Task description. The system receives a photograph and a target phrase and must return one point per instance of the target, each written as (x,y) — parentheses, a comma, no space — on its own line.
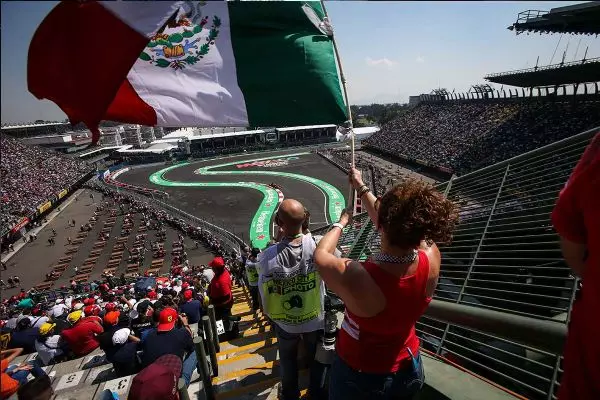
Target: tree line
(376,114)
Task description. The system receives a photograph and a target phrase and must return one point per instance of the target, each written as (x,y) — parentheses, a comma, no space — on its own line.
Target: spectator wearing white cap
(119,345)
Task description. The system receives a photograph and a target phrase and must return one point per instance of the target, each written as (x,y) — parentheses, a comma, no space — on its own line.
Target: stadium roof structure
(25,126)
(578,19)
(550,75)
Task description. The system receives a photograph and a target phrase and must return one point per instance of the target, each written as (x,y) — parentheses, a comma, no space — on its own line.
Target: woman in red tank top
(377,348)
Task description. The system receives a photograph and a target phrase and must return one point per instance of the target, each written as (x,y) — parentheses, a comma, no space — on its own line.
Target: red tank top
(379,344)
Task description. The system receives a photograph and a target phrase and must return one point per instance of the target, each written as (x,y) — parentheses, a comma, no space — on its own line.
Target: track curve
(259,232)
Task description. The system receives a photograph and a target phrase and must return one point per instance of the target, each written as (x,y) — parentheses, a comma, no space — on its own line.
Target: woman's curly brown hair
(414,211)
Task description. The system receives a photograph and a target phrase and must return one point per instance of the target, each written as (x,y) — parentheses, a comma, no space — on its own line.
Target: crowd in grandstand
(382,178)
(464,136)
(30,176)
(120,315)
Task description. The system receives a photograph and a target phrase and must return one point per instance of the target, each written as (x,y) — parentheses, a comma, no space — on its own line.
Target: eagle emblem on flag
(184,41)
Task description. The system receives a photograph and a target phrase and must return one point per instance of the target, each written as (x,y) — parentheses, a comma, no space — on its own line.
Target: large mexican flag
(188,63)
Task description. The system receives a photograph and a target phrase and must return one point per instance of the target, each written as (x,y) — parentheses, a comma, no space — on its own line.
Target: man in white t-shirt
(48,345)
(177,286)
(59,309)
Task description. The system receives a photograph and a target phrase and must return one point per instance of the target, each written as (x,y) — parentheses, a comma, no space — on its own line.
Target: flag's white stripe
(350,330)
(202,94)
(146,17)
(354,324)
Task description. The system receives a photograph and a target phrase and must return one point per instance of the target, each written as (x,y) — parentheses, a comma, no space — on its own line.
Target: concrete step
(251,347)
(248,360)
(247,337)
(256,384)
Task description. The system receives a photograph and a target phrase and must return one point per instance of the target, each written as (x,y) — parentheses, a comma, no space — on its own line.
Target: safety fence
(505,258)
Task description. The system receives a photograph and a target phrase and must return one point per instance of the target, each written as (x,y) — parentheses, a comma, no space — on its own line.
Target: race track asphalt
(232,207)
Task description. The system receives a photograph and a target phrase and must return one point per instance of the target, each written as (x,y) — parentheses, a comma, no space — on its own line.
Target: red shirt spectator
(576,218)
(390,330)
(219,289)
(82,337)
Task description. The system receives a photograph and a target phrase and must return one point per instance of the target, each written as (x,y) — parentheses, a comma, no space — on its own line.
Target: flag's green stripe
(285,66)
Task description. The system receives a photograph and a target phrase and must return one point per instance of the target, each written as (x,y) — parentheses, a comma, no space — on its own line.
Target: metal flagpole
(351,191)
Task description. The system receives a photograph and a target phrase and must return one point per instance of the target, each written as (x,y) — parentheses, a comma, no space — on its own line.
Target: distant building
(132,135)
(148,135)
(413,100)
(20,131)
(111,136)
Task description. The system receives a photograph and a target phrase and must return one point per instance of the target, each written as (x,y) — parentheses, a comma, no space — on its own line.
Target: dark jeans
(189,364)
(21,376)
(254,296)
(288,360)
(346,383)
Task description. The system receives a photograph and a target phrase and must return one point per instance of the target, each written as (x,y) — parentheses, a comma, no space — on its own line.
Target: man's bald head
(291,215)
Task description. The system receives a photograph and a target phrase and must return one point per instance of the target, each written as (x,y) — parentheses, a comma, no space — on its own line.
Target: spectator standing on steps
(377,348)
(219,289)
(282,269)
(252,277)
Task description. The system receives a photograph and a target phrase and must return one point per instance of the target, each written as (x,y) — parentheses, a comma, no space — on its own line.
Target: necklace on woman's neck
(292,237)
(405,259)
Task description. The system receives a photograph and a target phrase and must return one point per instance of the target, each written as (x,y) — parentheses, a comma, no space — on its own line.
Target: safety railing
(504,294)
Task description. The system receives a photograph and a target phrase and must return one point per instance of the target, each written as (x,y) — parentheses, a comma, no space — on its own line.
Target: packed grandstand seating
(31,175)
(464,136)
(382,178)
(55,322)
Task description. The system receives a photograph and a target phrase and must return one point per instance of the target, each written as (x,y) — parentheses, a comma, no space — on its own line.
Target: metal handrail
(542,334)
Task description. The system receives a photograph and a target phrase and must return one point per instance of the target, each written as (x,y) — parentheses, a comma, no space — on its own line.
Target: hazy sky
(389,50)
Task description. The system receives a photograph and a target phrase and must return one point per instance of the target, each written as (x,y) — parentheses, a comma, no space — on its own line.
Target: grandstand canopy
(578,19)
(550,75)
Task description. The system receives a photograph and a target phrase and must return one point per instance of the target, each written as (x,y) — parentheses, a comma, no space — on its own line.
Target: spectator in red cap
(219,289)
(192,308)
(158,381)
(167,339)
(92,313)
(89,301)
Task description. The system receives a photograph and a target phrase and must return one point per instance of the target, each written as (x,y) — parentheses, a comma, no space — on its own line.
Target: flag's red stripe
(127,106)
(79,57)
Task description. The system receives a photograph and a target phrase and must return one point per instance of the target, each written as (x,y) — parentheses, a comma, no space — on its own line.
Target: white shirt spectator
(48,349)
(58,310)
(39,321)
